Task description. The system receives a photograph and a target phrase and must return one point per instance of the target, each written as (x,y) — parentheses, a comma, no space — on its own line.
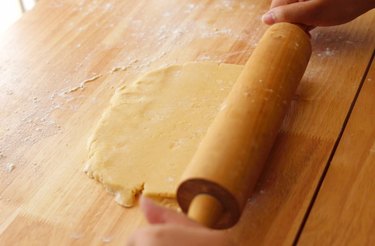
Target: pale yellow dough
(150,131)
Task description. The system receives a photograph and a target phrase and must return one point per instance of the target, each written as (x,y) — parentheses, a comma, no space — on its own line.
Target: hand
(316,12)
(172,228)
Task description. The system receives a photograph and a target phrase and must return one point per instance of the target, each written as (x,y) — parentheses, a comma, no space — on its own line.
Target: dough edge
(120,193)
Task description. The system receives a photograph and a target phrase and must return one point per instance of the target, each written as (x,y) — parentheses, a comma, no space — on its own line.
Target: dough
(149,133)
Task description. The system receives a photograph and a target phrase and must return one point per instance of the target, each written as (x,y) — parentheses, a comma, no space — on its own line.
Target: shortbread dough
(149,133)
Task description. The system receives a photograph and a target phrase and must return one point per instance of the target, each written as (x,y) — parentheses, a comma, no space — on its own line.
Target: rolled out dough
(149,133)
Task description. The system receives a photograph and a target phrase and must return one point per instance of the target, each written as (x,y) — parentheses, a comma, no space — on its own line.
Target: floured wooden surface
(148,135)
(343,212)
(50,105)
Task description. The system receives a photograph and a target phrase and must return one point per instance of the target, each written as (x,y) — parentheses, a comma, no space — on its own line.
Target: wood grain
(275,211)
(50,103)
(344,211)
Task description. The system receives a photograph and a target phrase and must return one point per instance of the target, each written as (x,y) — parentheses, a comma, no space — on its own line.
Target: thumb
(299,13)
(159,215)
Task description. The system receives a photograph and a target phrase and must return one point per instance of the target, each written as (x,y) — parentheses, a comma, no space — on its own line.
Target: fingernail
(269,18)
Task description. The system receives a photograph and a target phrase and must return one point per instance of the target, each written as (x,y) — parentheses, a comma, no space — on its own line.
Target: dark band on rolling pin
(192,187)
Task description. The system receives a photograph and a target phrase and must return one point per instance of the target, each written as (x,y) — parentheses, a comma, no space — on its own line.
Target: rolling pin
(229,159)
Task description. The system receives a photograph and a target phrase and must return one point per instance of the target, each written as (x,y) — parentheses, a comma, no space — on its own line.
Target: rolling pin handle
(205,209)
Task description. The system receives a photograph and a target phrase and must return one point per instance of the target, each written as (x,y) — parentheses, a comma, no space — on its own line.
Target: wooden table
(60,64)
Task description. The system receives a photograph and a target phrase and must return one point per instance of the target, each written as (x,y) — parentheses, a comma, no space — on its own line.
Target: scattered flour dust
(40,119)
(76,236)
(107,239)
(38,122)
(9,167)
(326,53)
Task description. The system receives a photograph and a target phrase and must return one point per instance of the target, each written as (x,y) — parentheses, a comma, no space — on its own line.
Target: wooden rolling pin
(224,170)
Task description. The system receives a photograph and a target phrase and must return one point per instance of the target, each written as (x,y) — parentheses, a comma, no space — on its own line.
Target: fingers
(171,235)
(159,215)
(277,3)
(150,236)
(171,228)
(299,13)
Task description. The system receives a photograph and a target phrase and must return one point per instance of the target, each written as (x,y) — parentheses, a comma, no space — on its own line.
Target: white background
(10,12)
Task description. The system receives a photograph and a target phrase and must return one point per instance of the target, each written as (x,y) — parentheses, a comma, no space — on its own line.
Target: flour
(9,167)
(107,239)
(326,53)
